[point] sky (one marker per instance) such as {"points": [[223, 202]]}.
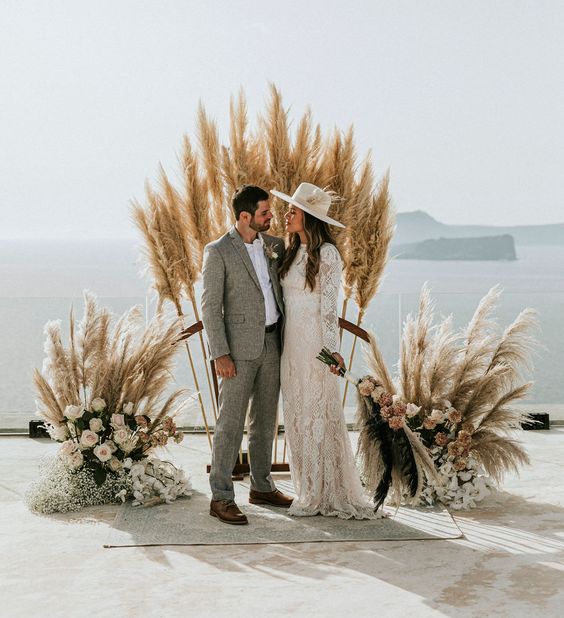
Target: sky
{"points": [[462, 100]]}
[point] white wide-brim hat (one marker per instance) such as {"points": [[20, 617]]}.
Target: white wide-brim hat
{"points": [[312, 199]]}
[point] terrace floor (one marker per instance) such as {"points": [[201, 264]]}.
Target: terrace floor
{"points": [[509, 563]]}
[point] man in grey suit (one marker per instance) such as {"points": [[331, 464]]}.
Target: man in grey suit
{"points": [[243, 315]]}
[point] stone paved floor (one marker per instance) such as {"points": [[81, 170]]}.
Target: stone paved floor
{"points": [[510, 563]]}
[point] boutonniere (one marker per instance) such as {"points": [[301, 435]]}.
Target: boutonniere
{"points": [[269, 252]]}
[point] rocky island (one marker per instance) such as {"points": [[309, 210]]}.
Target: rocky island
{"points": [[480, 248]]}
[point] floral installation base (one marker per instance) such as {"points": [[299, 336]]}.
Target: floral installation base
{"points": [[61, 489]]}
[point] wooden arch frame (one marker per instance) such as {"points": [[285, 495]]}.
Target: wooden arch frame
{"points": [[242, 467]]}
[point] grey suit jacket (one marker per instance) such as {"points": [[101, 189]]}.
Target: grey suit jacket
{"points": [[233, 309]]}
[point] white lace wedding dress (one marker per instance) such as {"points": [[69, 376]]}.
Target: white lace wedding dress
{"points": [[321, 458]]}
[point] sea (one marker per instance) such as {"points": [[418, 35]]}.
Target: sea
{"points": [[41, 280]]}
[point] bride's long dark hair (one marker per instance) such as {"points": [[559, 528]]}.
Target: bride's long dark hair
{"points": [[317, 232]]}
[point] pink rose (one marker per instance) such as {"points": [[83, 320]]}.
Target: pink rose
{"points": [[141, 420], [460, 464], [386, 412], [88, 438], [118, 420], [377, 393], [441, 439], [386, 400], [103, 452], [464, 438], [76, 460], [68, 447], [429, 423], [399, 408], [396, 422], [73, 412], [454, 416]]}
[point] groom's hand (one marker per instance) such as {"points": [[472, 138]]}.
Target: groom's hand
{"points": [[225, 367]]}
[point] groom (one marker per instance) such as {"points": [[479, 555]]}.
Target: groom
{"points": [[243, 315]]}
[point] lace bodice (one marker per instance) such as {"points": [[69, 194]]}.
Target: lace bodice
{"points": [[322, 302], [321, 458]]}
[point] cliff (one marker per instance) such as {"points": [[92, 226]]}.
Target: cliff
{"points": [[413, 227]]}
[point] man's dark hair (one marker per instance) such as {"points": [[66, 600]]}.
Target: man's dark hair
{"points": [[246, 199]]}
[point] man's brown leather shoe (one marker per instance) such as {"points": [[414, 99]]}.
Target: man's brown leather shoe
{"points": [[227, 512], [274, 498]]}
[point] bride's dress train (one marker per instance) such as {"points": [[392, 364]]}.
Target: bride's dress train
{"points": [[321, 459]]}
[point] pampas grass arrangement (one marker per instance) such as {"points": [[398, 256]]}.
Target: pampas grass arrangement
{"points": [[173, 258], [460, 387], [119, 363]]}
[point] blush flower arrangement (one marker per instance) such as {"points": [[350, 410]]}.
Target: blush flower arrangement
{"points": [[102, 398], [396, 453], [455, 391]]}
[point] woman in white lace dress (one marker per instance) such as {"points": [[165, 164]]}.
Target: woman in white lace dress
{"points": [[321, 458]]}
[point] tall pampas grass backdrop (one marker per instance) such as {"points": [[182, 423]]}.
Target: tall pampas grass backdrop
{"points": [[270, 153]]}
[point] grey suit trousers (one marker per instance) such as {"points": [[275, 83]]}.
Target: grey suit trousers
{"points": [[257, 380]]}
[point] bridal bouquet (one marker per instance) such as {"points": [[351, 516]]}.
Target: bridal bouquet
{"points": [[101, 397]]}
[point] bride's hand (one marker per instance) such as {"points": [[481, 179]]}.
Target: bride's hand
{"points": [[334, 368]]}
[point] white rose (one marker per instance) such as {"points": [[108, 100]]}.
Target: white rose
{"points": [[127, 462], [73, 412], [76, 459], [115, 464], [111, 446], [88, 438], [120, 436], [128, 408], [98, 404], [58, 432], [103, 452], [412, 410], [437, 415], [95, 424], [118, 420], [69, 447]]}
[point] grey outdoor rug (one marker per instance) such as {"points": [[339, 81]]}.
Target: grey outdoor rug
{"points": [[187, 522]]}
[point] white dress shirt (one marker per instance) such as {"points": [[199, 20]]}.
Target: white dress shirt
{"points": [[258, 258]]}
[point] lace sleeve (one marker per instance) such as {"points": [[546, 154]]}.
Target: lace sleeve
{"points": [[330, 270]]}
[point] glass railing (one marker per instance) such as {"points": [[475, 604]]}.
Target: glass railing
{"points": [[23, 320]]}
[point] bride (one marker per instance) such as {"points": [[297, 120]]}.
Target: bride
{"points": [[321, 458]]}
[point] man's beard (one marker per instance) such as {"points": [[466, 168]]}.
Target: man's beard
{"points": [[259, 228]]}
